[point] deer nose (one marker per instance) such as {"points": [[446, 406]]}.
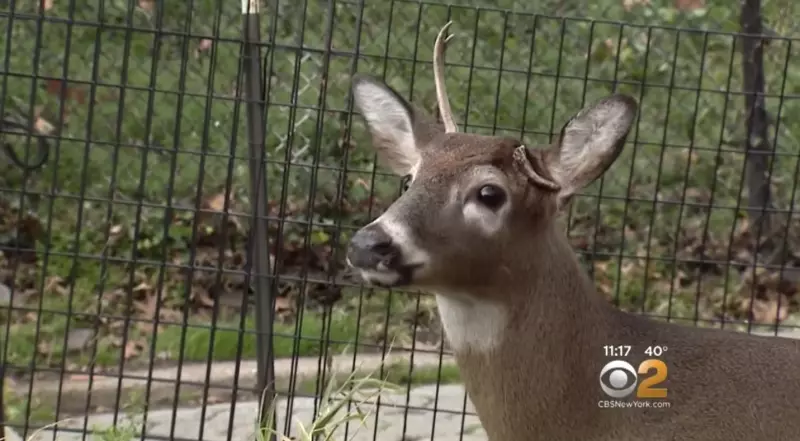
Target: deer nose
{"points": [[371, 246]]}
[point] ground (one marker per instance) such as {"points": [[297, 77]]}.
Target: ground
{"points": [[124, 223]]}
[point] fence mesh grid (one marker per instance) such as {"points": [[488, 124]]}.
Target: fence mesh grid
{"points": [[123, 264]]}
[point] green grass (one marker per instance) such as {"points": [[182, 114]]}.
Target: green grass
{"points": [[286, 342], [146, 96], [315, 334]]}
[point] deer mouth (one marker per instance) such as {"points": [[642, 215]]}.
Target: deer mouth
{"points": [[387, 277]]}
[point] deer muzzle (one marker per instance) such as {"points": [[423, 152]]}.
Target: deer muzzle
{"points": [[378, 258]]}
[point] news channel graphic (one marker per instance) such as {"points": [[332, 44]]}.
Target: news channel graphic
{"points": [[634, 385]]}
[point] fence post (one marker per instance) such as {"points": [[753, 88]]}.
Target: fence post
{"points": [[756, 142], [259, 241], [2, 394]]}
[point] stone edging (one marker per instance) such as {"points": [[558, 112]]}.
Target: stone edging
{"points": [[103, 394]]}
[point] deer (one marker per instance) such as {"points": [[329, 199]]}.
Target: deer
{"points": [[480, 227]]}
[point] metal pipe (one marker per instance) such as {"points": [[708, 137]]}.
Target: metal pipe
{"points": [[258, 255]]}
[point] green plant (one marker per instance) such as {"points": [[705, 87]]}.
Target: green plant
{"points": [[357, 389]]}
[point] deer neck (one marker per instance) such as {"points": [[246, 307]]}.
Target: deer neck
{"points": [[519, 342], [525, 296]]}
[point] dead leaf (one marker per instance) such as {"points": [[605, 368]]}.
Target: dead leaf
{"points": [[767, 311], [142, 287], [363, 184], [628, 5], [690, 154], [30, 226], [148, 307], [324, 294], [115, 234], [56, 285], [132, 349], [689, 5], [43, 348], [147, 5], [79, 377], [216, 202], [62, 88], [236, 222], [41, 124], [205, 45], [698, 195], [201, 297], [46, 4], [283, 305], [106, 96], [215, 399], [114, 340], [115, 230]]}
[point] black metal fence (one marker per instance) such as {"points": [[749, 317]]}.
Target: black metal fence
{"points": [[180, 179]]}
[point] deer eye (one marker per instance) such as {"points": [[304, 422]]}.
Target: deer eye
{"points": [[491, 196]]}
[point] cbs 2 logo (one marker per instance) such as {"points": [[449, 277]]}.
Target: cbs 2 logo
{"points": [[622, 379]]}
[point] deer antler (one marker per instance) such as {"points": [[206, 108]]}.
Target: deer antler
{"points": [[438, 76]]}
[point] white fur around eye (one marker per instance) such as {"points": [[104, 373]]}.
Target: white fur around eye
{"points": [[488, 221]]}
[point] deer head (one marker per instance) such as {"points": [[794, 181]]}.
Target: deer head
{"points": [[473, 201]]}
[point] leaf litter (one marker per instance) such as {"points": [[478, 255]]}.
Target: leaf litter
{"points": [[205, 251]]}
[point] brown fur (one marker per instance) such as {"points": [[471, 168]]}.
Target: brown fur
{"points": [[540, 380]]}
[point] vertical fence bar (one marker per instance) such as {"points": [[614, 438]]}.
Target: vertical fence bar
{"points": [[2, 392], [756, 141], [259, 251]]}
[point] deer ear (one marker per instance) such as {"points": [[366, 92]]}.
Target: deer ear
{"points": [[391, 121], [589, 143]]}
